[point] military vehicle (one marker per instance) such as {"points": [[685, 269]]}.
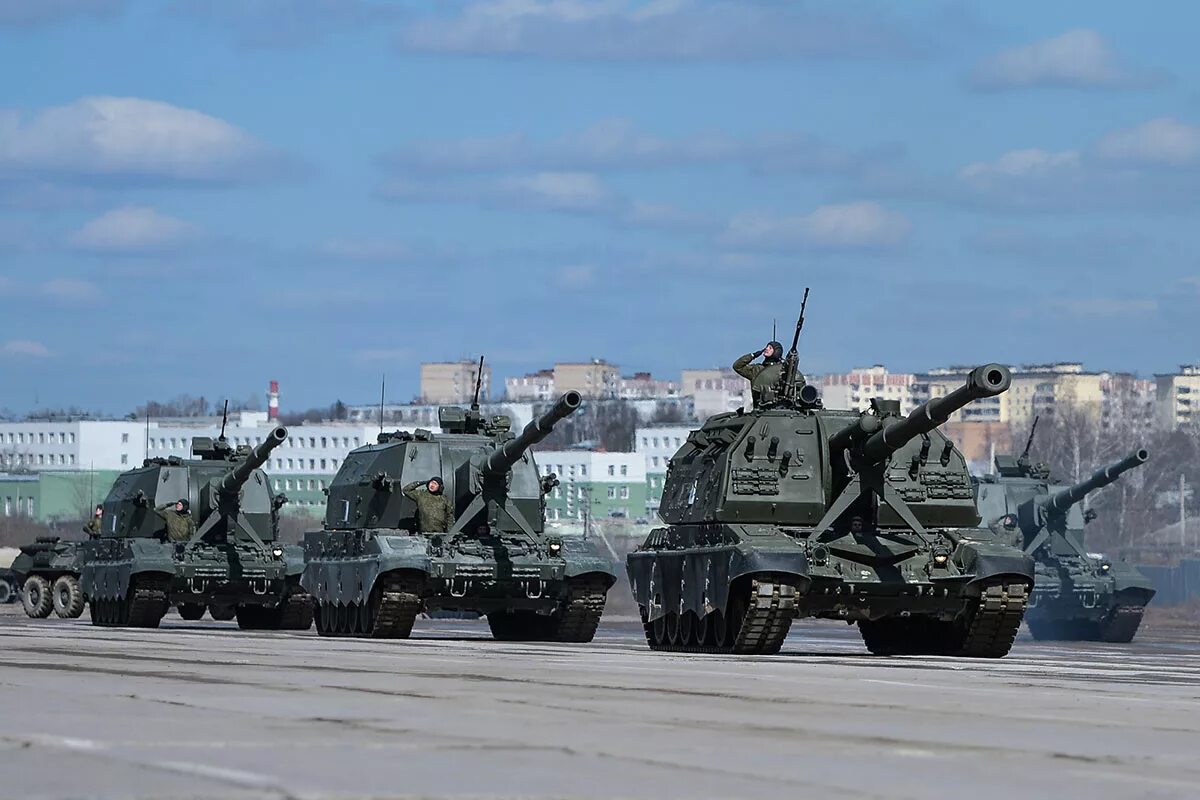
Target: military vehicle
{"points": [[372, 569], [795, 510], [49, 571], [233, 566], [10, 582], [1077, 594]]}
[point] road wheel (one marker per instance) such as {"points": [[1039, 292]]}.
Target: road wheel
{"points": [[68, 597], [222, 613], [36, 597], [192, 611]]}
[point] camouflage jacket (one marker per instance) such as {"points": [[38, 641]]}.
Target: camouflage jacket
{"points": [[92, 526], [435, 512], [180, 527]]}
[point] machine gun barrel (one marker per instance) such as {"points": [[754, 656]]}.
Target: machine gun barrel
{"points": [[1065, 498], [503, 458], [233, 480], [986, 381]]}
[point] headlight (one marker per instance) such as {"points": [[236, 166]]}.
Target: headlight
{"points": [[941, 558], [555, 548], [1105, 567], [277, 552]]}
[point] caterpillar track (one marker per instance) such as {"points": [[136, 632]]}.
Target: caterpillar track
{"points": [[582, 610], [758, 619], [390, 613], [987, 631], [143, 605], [1122, 624]]}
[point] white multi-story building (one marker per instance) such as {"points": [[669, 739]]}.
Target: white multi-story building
{"points": [[855, 389], [602, 485], [1177, 401], [714, 391], [656, 444], [533, 387], [71, 445]]}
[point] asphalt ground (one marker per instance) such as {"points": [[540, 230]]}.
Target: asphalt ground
{"points": [[198, 710]]}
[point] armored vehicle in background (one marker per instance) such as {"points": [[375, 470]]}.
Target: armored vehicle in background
{"points": [[10, 582], [795, 510], [48, 571], [232, 565], [372, 568], [1077, 594]]}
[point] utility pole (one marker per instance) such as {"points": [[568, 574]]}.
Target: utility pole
{"points": [[1182, 511]]}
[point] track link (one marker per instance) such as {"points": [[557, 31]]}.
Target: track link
{"points": [[582, 610], [297, 612], [1122, 624], [993, 625], [761, 616], [396, 611]]}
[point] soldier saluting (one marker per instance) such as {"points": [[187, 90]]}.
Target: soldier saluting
{"points": [[763, 377], [435, 511], [178, 516]]}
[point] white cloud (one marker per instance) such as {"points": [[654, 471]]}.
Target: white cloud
{"points": [[580, 192], [617, 144], [44, 12], [285, 23], [576, 276], [1021, 164], [71, 291], [1148, 166], [1105, 306], [1163, 141], [557, 191], [24, 347], [133, 230], [1079, 58], [629, 30], [133, 139], [850, 226]]}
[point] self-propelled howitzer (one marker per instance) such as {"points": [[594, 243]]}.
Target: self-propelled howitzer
{"points": [[1078, 594], [794, 509], [374, 568], [231, 565]]}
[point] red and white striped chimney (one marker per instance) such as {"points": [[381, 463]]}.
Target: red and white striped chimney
{"points": [[273, 401]]}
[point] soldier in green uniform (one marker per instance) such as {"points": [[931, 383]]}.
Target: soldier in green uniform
{"points": [[178, 516], [763, 377], [435, 511], [92, 526]]}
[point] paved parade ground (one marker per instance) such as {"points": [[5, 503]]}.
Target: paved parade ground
{"points": [[204, 710]]}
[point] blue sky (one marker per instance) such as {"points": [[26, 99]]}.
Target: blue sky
{"points": [[199, 195]]}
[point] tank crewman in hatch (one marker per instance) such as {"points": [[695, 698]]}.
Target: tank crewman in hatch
{"points": [[435, 511], [178, 516], [763, 377], [92, 526]]}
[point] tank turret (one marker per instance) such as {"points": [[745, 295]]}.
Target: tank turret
{"points": [[986, 381], [232, 481], [1065, 498], [502, 459]]}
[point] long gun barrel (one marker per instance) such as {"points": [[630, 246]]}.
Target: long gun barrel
{"points": [[501, 459], [1063, 499], [233, 480], [986, 381]]}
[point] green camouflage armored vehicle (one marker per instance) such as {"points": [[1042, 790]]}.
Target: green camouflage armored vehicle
{"points": [[10, 582], [477, 543], [231, 565], [795, 510], [48, 571], [1077, 594]]}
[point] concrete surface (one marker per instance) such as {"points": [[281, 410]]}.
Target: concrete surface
{"points": [[204, 710]]}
